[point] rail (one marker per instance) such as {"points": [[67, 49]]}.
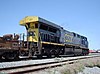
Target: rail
{"points": [[40, 66]]}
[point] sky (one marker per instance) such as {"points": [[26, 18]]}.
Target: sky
{"points": [[80, 16]]}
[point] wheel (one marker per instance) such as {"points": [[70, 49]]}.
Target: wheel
{"points": [[0, 57], [39, 56], [11, 55], [49, 55]]}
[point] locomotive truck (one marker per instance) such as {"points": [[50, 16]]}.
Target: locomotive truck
{"points": [[45, 38]]}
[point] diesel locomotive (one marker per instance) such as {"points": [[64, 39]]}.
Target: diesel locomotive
{"points": [[44, 38]]}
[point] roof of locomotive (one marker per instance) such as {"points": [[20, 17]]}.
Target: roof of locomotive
{"points": [[29, 19]]}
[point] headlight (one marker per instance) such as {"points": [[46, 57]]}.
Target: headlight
{"points": [[31, 33]]}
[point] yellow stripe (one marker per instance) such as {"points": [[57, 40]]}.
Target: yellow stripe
{"points": [[84, 48], [53, 43]]}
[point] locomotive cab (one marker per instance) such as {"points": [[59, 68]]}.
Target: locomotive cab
{"points": [[32, 27]]}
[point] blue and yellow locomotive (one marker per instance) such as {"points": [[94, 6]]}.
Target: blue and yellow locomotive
{"points": [[47, 38]]}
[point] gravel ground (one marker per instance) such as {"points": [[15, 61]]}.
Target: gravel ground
{"points": [[74, 68], [88, 70]]}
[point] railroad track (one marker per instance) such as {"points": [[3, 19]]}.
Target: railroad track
{"points": [[43, 65]]}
